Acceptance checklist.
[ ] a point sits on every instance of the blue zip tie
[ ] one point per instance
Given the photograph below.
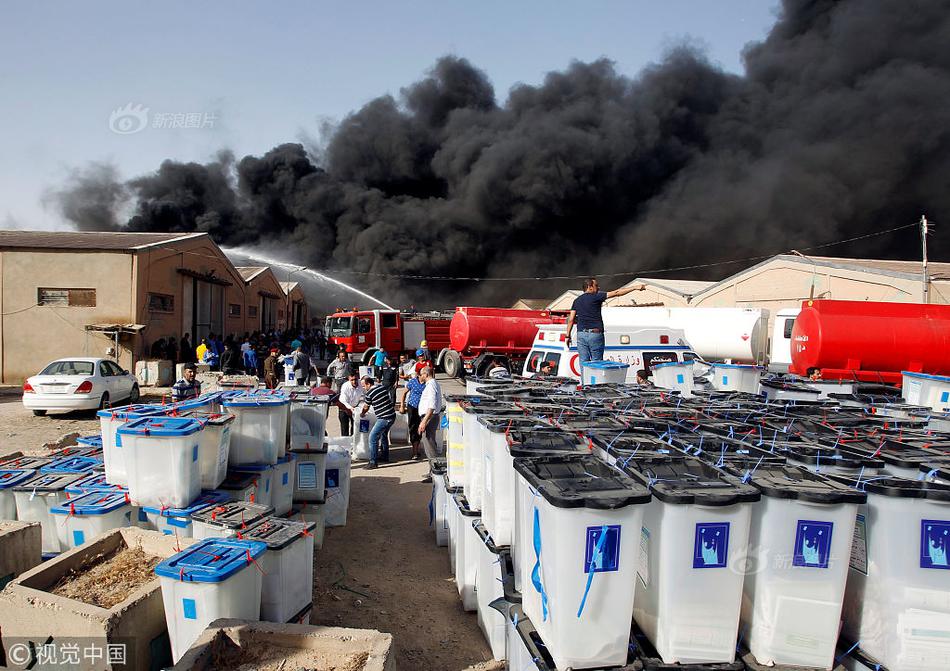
(595, 562)
(536, 570)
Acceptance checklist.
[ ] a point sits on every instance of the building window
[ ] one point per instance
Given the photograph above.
(234, 310)
(161, 303)
(81, 298)
(251, 310)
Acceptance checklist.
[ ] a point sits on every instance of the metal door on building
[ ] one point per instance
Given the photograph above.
(208, 312)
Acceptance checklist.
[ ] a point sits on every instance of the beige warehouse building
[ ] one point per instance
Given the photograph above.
(84, 293)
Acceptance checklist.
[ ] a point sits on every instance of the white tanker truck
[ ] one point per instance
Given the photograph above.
(736, 335)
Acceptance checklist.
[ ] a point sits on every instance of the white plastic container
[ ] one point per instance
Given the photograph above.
(584, 550)
(214, 448)
(362, 426)
(736, 377)
(466, 552)
(217, 578)
(674, 375)
(36, 497)
(897, 602)
(177, 521)
(109, 423)
(437, 517)
(337, 484)
(282, 489)
(475, 438)
(310, 477)
(930, 390)
(259, 431)
(161, 460)
(488, 587)
(227, 520)
(8, 480)
(508, 438)
(800, 540)
(315, 512)
(308, 421)
(603, 372)
(89, 515)
(452, 515)
(287, 566)
(455, 450)
(694, 536)
(521, 644)
(264, 477)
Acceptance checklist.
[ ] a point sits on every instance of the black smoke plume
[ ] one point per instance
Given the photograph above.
(840, 126)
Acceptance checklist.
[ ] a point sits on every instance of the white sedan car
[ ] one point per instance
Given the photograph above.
(79, 384)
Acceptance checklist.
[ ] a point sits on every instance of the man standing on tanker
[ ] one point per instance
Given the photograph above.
(585, 312)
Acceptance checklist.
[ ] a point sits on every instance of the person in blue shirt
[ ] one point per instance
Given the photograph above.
(586, 314)
(410, 405)
(379, 359)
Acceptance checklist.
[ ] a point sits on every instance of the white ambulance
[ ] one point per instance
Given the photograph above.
(637, 346)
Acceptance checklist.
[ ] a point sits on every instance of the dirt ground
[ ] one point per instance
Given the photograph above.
(383, 570)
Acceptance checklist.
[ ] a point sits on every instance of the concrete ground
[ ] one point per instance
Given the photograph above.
(381, 571)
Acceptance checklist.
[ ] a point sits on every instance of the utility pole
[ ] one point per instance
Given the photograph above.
(924, 228)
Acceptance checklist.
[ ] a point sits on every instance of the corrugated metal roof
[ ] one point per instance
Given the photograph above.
(250, 272)
(937, 269)
(87, 240)
(683, 287)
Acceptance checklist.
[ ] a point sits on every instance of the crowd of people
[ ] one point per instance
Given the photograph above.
(265, 355)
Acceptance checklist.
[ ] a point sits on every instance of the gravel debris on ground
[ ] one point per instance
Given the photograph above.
(108, 578)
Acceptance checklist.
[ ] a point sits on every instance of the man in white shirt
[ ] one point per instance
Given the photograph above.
(407, 369)
(430, 407)
(351, 398)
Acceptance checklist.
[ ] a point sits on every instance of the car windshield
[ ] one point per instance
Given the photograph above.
(69, 368)
(339, 327)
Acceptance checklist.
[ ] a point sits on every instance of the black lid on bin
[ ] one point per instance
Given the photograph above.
(508, 423)
(25, 461)
(278, 532)
(796, 482)
(549, 441)
(635, 446)
(904, 456)
(458, 398)
(693, 481)
(235, 481)
(437, 466)
(540, 657)
(721, 451)
(232, 514)
(590, 423)
(897, 487)
(816, 455)
(490, 407)
(311, 448)
(448, 488)
(49, 482)
(486, 537)
(936, 469)
(580, 481)
(462, 503)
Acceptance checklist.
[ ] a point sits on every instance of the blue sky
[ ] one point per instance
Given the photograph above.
(271, 72)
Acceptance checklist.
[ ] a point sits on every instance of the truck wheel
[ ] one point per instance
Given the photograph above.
(452, 364)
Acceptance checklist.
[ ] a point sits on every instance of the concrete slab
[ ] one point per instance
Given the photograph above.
(268, 646)
(20, 548)
(32, 617)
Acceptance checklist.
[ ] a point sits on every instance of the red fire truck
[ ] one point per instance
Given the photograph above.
(463, 342)
(364, 332)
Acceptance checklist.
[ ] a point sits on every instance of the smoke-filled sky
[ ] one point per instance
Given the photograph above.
(836, 126)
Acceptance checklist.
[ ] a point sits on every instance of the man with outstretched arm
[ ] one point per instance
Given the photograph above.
(586, 313)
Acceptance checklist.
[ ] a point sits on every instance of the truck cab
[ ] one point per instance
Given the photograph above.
(638, 347)
(780, 351)
(364, 332)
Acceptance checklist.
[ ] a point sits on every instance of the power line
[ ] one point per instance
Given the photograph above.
(630, 273)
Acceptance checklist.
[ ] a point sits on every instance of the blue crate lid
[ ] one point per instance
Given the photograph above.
(90, 441)
(161, 427)
(605, 365)
(670, 363)
(93, 503)
(72, 465)
(133, 411)
(15, 476)
(261, 398)
(205, 499)
(211, 560)
(94, 483)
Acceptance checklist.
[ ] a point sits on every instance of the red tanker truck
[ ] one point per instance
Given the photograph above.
(463, 342)
(478, 335)
(871, 341)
